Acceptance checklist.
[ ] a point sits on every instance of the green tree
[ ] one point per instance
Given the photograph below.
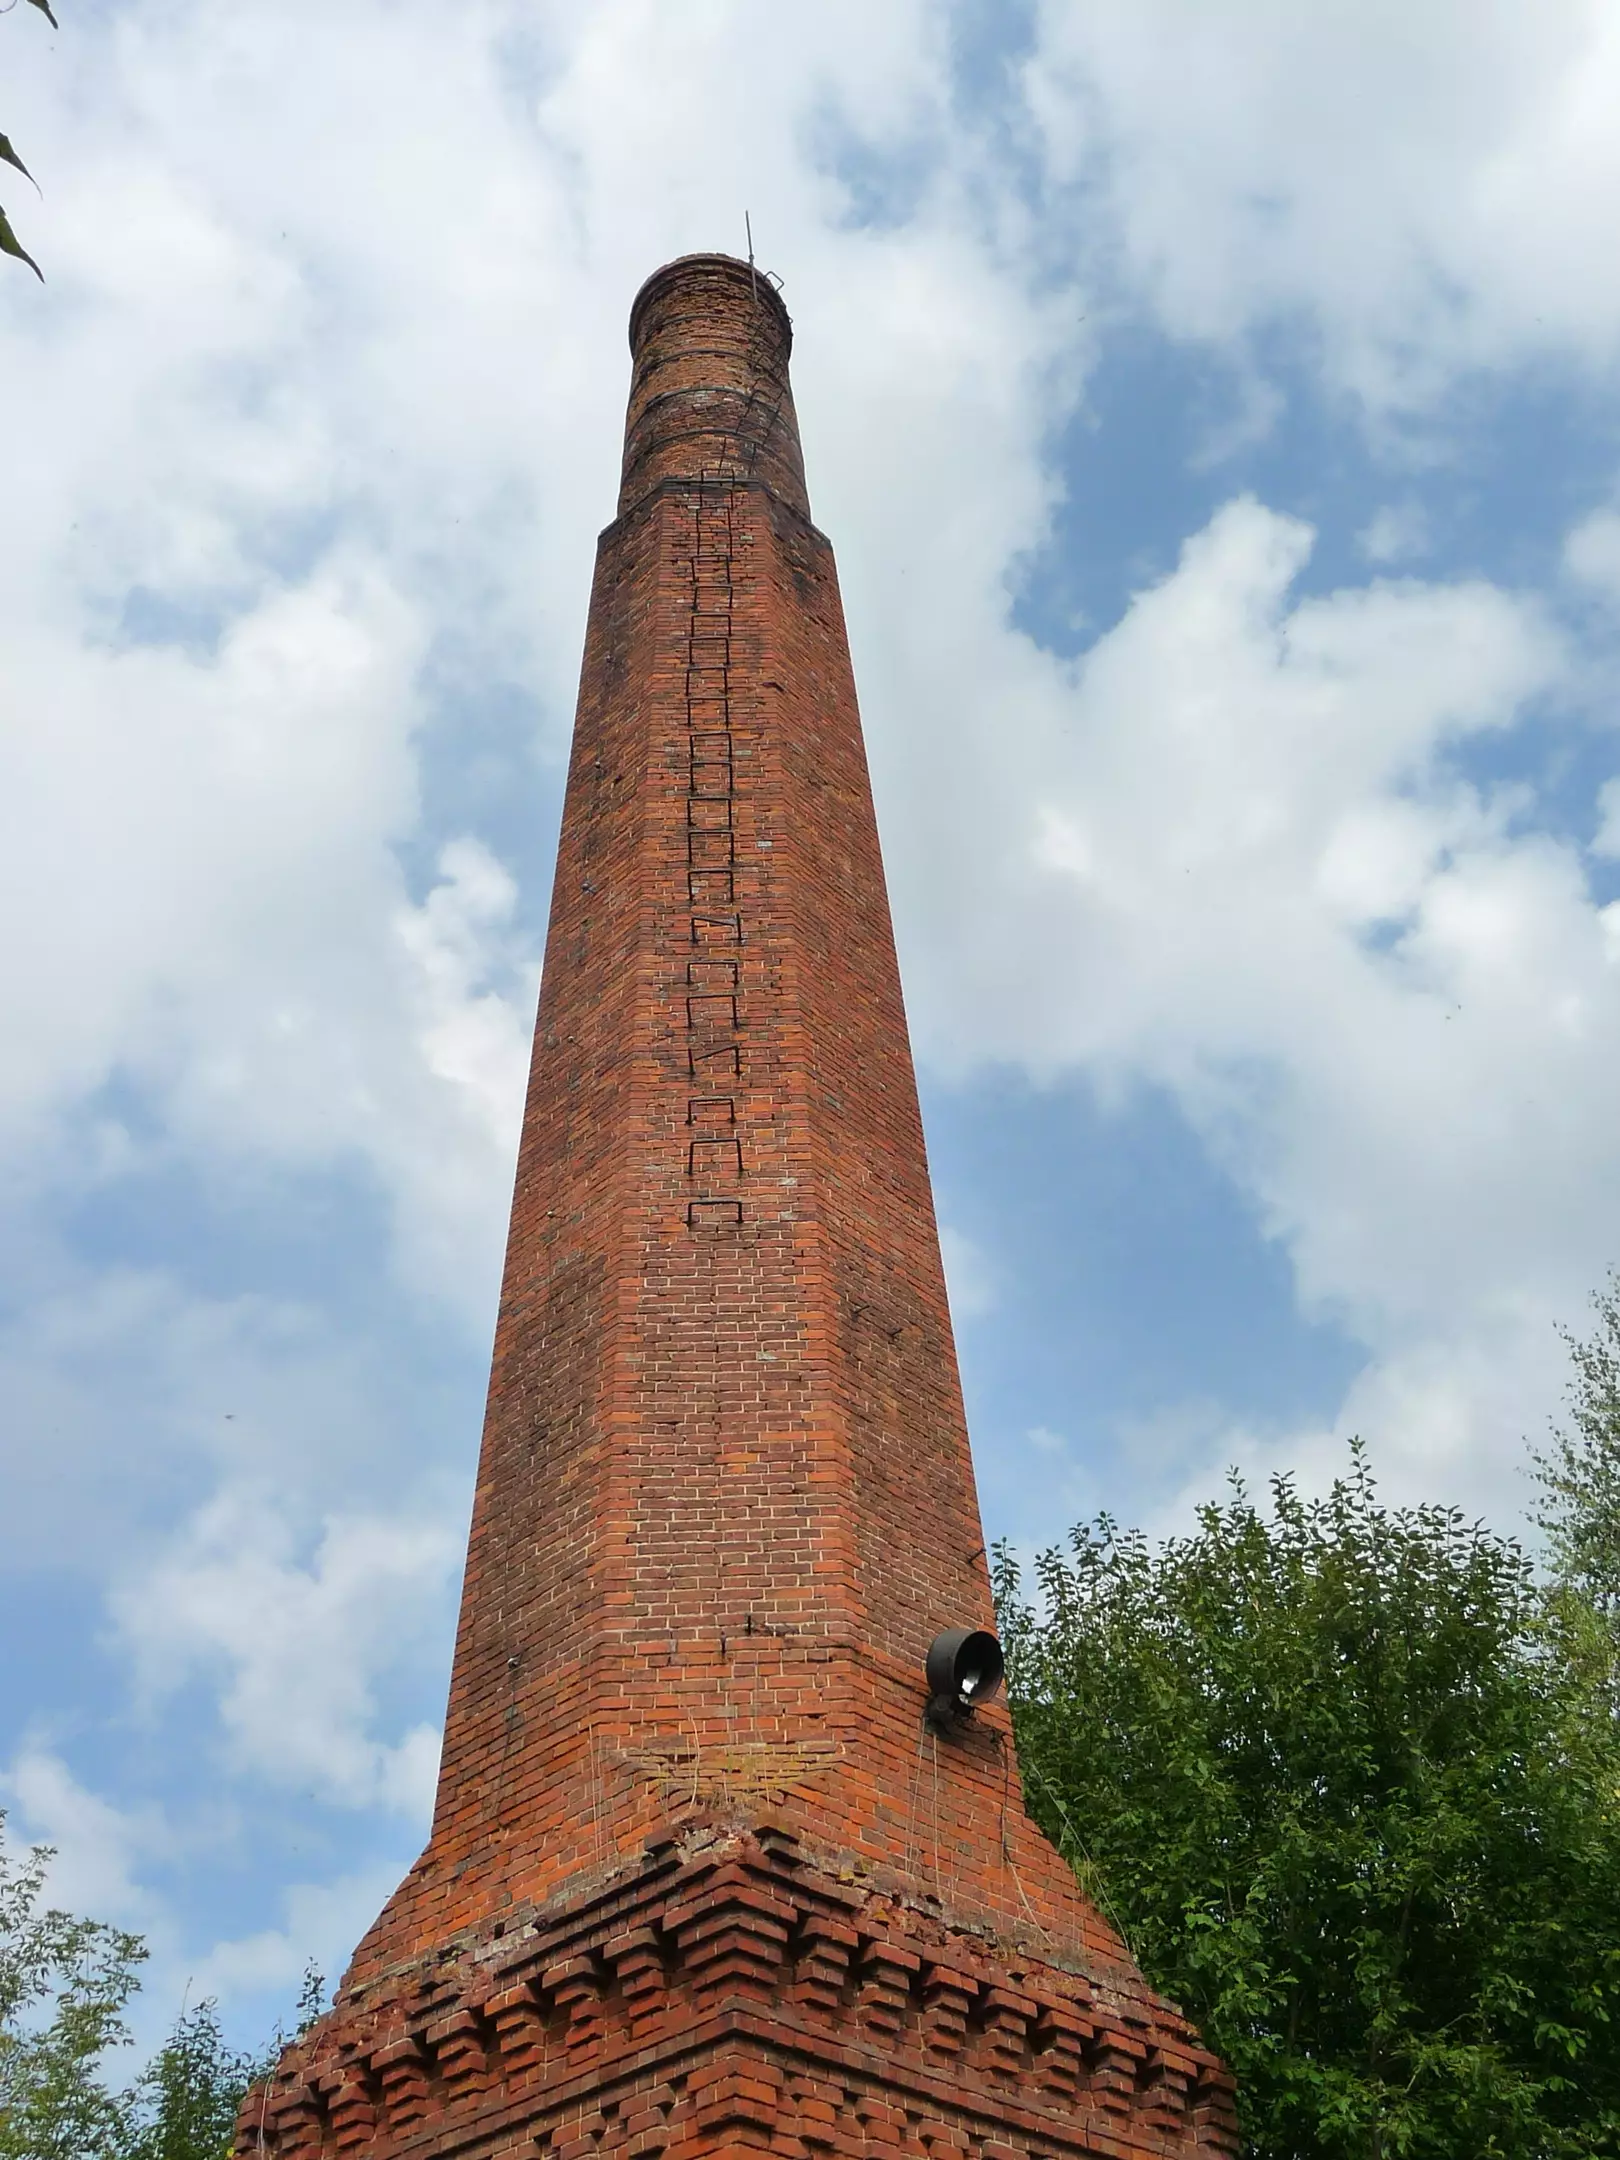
(9, 243)
(311, 2006)
(64, 1985)
(1351, 1798)
(184, 2104)
(1581, 1475)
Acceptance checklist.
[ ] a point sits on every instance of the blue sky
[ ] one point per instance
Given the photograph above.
(1217, 417)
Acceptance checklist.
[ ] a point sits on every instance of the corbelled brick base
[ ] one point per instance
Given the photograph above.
(725, 1993)
(725, 1500)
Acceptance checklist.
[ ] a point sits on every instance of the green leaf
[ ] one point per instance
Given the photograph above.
(11, 245)
(64, 1986)
(185, 2103)
(11, 158)
(44, 7)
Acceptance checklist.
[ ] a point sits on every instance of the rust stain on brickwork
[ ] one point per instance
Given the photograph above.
(700, 1879)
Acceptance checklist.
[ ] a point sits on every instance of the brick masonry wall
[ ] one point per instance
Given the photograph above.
(725, 1499)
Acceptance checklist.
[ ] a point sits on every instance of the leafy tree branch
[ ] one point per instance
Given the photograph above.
(9, 243)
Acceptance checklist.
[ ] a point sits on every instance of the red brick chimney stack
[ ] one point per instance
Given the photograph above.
(703, 1876)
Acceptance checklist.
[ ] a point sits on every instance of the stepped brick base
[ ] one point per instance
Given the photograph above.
(727, 1992)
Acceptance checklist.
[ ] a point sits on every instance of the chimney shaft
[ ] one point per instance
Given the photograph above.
(725, 1500)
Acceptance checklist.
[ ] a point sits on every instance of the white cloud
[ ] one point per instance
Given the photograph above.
(101, 1853)
(128, 1394)
(472, 1040)
(344, 438)
(1592, 552)
(1228, 854)
(1399, 532)
(322, 1923)
(99, 1850)
(296, 1642)
(163, 815)
(1430, 191)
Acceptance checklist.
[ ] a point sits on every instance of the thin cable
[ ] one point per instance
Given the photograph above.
(1097, 1882)
(911, 1866)
(1008, 1861)
(939, 1890)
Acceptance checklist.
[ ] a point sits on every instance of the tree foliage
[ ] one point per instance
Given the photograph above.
(64, 1986)
(1581, 1475)
(1342, 1781)
(184, 2104)
(9, 243)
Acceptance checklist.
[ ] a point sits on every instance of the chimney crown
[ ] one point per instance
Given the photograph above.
(709, 394)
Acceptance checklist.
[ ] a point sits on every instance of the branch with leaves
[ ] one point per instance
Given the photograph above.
(9, 243)
(65, 1986)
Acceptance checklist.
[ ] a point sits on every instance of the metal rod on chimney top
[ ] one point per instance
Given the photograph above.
(753, 281)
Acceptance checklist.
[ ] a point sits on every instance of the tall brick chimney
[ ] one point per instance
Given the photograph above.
(707, 1875)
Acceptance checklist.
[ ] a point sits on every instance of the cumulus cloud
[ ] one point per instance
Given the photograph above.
(129, 1393)
(1427, 192)
(1399, 532)
(1234, 852)
(102, 1861)
(296, 1642)
(1592, 553)
(321, 1924)
(98, 1850)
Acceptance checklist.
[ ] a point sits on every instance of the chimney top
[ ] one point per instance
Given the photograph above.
(703, 266)
(709, 395)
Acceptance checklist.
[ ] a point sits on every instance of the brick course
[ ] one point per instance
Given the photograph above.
(725, 1499)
